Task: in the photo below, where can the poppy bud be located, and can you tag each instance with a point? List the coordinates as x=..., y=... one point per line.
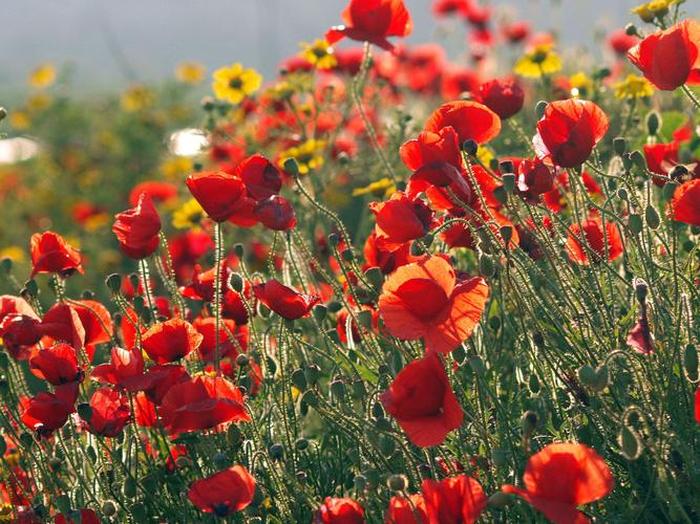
x=319, y=312
x=291, y=166
x=109, y=509
x=4, y=362
x=508, y=181
x=652, y=217
x=207, y=103
x=337, y=388
x=653, y=123
x=309, y=398
x=31, y=288
x=631, y=30
x=629, y=442
x=620, y=145
x=529, y=423
x=276, y=451
x=690, y=362
x=416, y=249
x=3, y=113
x=129, y=488
x=26, y=439
x=382, y=424
x=235, y=282
x=220, y=460
x=238, y=250
x=486, y=266
x=358, y=390
x=507, y=234
x=312, y=373
x=540, y=107
x=375, y=277
x=470, y=147
x=638, y=159
x=299, y=379
x=84, y=411
x=640, y=289
x=360, y=482
x=6, y=264
x=500, y=500
x=397, y=482
x=348, y=255
x=678, y=172
x=387, y=445
x=114, y=282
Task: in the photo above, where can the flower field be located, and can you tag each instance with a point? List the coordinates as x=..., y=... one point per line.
x=381, y=286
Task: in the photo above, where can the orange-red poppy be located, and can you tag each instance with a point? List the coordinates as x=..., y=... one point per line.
x=685, y=205
x=471, y=120
x=409, y=510
x=592, y=242
x=52, y=254
x=503, y=96
x=400, y=219
x=340, y=511
x=561, y=477
x=425, y=300
x=223, y=493
x=137, y=228
x=373, y=21
x=218, y=193
x=455, y=499
x=170, y=340
x=285, y=301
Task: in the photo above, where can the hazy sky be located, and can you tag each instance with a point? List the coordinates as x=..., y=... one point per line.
x=103, y=39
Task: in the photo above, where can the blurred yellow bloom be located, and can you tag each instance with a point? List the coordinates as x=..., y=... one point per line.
x=485, y=155
x=634, y=87
x=190, y=73
x=541, y=60
x=38, y=102
x=15, y=253
x=581, y=85
x=307, y=155
x=234, y=83
x=137, y=98
x=320, y=54
x=97, y=221
x=20, y=120
x=7, y=513
x=43, y=76
x=176, y=167
x=647, y=12
x=188, y=216
x=380, y=188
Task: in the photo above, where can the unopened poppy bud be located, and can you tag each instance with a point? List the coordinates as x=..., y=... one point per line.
x=529, y=422
x=134, y=279
x=493, y=164
x=627, y=161
x=6, y=264
x=631, y=30
x=238, y=250
x=540, y=107
x=386, y=445
x=114, y=282
x=109, y=508
x=678, y=172
x=507, y=234
x=375, y=277
x=291, y=166
x=348, y=255
x=506, y=166
x=319, y=312
x=641, y=289
x=652, y=217
x=360, y=482
x=602, y=73
x=220, y=460
x=486, y=266
x=377, y=410
x=31, y=287
x=333, y=240
x=416, y=249
x=638, y=159
x=470, y=147
x=235, y=282
x=207, y=103
x=310, y=398
x=620, y=145
x=26, y=439
x=629, y=443
x=690, y=362
x=301, y=444
x=397, y=482
x=500, y=500
x=3, y=113
x=84, y=411
x=508, y=181
x=299, y=379
x=312, y=373
x=276, y=451
x=653, y=123
x=129, y=488
x=337, y=388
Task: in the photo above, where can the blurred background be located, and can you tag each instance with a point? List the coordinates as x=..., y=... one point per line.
x=107, y=44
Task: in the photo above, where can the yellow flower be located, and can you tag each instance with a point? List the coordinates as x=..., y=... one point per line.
x=176, y=166
x=234, y=83
x=634, y=87
x=14, y=253
x=7, y=513
x=485, y=155
x=306, y=154
x=541, y=60
x=320, y=54
x=188, y=216
x=656, y=8
x=96, y=221
x=38, y=102
x=20, y=120
x=581, y=85
x=43, y=76
x=383, y=187
x=137, y=98
x=190, y=73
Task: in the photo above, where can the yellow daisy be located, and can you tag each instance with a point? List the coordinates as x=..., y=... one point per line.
x=634, y=87
x=581, y=85
x=43, y=76
x=320, y=54
x=14, y=253
x=19, y=120
x=656, y=8
x=234, y=83
x=380, y=188
x=190, y=73
x=541, y=60
x=137, y=98
x=188, y=216
x=307, y=155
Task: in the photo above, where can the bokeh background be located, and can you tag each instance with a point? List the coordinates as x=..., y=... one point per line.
x=107, y=44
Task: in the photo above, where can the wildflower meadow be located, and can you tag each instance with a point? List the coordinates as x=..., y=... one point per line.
x=382, y=286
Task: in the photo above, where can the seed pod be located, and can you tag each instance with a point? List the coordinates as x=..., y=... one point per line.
x=634, y=222
x=540, y=107
x=629, y=443
x=652, y=217
x=653, y=123
x=397, y=482
x=509, y=181
x=299, y=379
x=620, y=145
x=690, y=362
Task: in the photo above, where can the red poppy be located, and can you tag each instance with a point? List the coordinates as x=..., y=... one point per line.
x=425, y=300
x=340, y=511
x=456, y=81
x=202, y=288
x=400, y=219
x=685, y=205
x=285, y=301
x=158, y=191
x=10, y=304
x=471, y=120
x=432, y=149
x=661, y=159
x=124, y=366
x=561, y=477
x=456, y=499
x=373, y=21
x=158, y=381
x=276, y=213
x=63, y=323
x=19, y=332
x=170, y=340
x=223, y=493
x=137, y=229
x=51, y=254
x=504, y=97
x=603, y=242
x=516, y=32
x=669, y=58
x=232, y=340
x=422, y=401
x=145, y=414
x=407, y=510
x=535, y=178
x=86, y=516
x=218, y=193
x=200, y=403
x=569, y=130
x=47, y=412
x=620, y=42
x=57, y=364
x=450, y=7
x=387, y=261
x=640, y=338
x=109, y=412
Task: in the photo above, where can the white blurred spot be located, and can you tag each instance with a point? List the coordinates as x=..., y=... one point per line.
x=188, y=142
x=17, y=149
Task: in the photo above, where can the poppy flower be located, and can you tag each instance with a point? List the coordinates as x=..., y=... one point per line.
x=156, y=190
x=52, y=254
x=422, y=401
x=400, y=219
x=10, y=304
x=57, y=364
x=109, y=412
x=62, y=322
x=260, y=176
x=504, y=97
x=223, y=493
x=516, y=31
x=373, y=21
x=19, y=332
x=123, y=367
x=669, y=58
x=456, y=81
x=685, y=205
x=86, y=516
x=569, y=130
x=640, y=338
x=450, y=7
x=157, y=381
x=535, y=178
x=46, y=412
x=561, y=477
x=407, y=510
x=276, y=213
x=431, y=150
x=387, y=261
x=620, y=42
x=425, y=300
x=231, y=339
x=340, y=511
x=456, y=499
x=471, y=120
x=218, y=193
x=137, y=229
x=604, y=243
x=285, y=301
x=201, y=403
x=170, y=340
